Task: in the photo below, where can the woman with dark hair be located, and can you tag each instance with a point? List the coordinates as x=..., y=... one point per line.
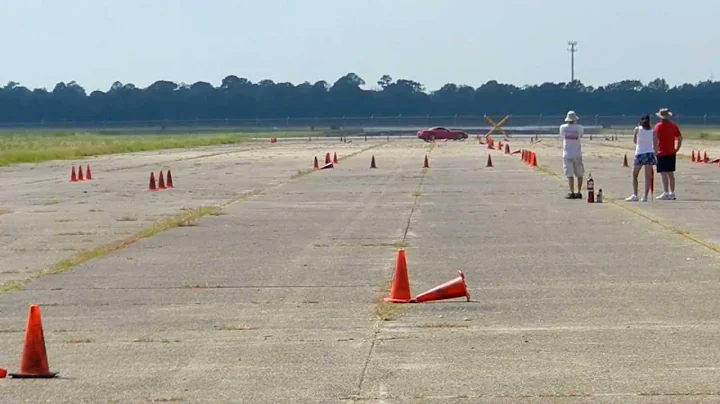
x=645, y=140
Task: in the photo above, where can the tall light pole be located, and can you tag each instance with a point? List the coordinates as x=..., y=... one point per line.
x=572, y=49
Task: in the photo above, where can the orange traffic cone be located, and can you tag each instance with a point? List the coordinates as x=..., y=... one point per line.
x=692, y=157
x=34, y=363
x=328, y=165
x=516, y=152
x=315, y=164
x=88, y=173
x=73, y=176
x=327, y=158
x=448, y=290
x=169, y=180
x=705, y=157
x=489, y=161
x=533, y=160
x=152, y=186
x=427, y=163
x=490, y=146
x=161, y=181
x=507, y=148
x=335, y=161
x=3, y=373
x=400, y=288
x=625, y=163
x=80, y=173
x=372, y=162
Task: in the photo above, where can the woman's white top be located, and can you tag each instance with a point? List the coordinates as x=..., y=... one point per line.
x=645, y=142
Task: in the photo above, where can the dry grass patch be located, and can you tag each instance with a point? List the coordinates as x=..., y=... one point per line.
x=127, y=219
x=154, y=341
x=159, y=227
x=81, y=341
x=233, y=327
x=385, y=311
x=444, y=325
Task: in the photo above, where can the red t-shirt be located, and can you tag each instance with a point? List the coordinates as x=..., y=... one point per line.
x=667, y=132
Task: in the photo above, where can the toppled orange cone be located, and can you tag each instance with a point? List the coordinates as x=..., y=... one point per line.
x=328, y=165
x=34, y=363
x=448, y=290
x=400, y=288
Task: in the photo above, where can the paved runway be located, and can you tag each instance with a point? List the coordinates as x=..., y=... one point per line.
x=277, y=298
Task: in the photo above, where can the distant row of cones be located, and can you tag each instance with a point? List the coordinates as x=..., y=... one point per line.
x=528, y=157
x=400, y=287
x=76, y=176
x=703, y=159
x=161, y=181
x=331, y=164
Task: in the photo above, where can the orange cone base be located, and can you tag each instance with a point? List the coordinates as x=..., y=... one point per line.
x=48, y=375
x=391, y=300
x=448, y=290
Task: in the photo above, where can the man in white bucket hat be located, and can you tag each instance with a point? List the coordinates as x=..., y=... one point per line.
x=571, y=132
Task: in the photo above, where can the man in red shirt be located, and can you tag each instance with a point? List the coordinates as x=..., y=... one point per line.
x=666, y=151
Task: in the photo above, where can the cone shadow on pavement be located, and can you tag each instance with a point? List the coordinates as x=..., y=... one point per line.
x=34, y=363
x=400, y=288
x=448, y=290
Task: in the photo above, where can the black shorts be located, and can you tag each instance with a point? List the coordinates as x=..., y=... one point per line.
x=666, y=164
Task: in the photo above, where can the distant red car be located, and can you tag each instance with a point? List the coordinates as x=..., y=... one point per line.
x=439, y=133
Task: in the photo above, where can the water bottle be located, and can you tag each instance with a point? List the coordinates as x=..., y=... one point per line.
x=590, y=189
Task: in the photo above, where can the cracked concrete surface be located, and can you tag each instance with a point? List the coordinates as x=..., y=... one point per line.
x=275, y=299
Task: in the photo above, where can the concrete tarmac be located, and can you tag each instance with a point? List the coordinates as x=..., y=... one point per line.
x=277, y=299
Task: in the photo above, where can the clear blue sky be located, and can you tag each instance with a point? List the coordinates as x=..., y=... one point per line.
x=96, y=42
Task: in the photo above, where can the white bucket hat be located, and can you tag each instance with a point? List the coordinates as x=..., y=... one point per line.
x=664, y=113
x=571, y=116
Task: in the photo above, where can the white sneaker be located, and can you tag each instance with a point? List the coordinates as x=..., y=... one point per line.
x=632, y=198
x=663, y=197
x=643, y=199
x=671, y=196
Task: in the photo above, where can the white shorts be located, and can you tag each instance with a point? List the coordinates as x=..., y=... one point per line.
x=573, y=167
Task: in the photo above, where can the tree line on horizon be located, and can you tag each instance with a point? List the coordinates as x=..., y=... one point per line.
x=239, y=98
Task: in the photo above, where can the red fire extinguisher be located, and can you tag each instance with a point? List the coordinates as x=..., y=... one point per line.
x=590, y=189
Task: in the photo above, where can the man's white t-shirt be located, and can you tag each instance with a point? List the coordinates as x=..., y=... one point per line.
x=571, y=134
